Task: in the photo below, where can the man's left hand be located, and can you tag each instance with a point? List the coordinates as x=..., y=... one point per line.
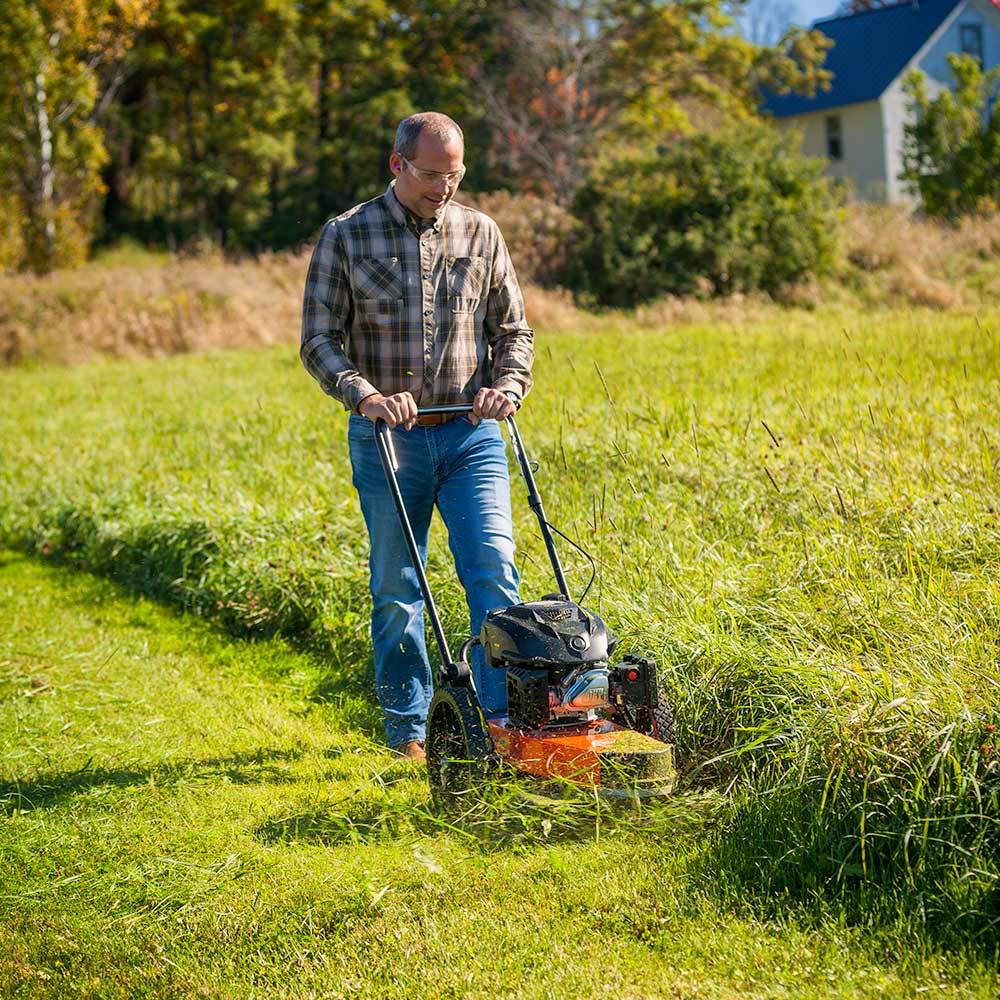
x=491, y=404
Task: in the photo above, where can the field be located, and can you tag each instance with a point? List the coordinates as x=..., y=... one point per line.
x=796, y=514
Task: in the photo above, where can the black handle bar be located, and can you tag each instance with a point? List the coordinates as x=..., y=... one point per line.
x=427, y=411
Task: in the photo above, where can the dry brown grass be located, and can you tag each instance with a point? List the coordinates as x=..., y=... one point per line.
x=148, y=309
x=910, y=283
x=921, y=261
x=138, y=303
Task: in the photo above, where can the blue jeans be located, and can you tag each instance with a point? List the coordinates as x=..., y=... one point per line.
x=462, y=469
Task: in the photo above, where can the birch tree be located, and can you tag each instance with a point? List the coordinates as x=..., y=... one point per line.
x=58, y=71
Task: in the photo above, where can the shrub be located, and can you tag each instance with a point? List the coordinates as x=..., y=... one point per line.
x=539, y=232
x=713, y=214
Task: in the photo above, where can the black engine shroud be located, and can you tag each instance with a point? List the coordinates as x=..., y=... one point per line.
x=552, y=634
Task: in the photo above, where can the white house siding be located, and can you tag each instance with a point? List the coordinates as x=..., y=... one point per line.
x=863, y=162
x=895, y=113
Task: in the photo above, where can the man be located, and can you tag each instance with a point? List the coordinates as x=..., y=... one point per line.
x=411, y=300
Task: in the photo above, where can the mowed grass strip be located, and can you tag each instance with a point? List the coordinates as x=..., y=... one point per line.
x=797, y=517
x=176, y=820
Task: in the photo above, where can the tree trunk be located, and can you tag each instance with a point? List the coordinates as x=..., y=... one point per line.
x=44, y=258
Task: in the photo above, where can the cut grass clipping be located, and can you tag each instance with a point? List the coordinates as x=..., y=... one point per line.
x=797, y=519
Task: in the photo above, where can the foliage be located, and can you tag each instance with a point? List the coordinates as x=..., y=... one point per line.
x=246, y=123
x=215, y=121
x=51, y=89
x=713, y=214
x=952, y=147
x=612, y=71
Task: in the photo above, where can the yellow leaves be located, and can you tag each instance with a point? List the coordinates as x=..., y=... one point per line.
x=137, y=13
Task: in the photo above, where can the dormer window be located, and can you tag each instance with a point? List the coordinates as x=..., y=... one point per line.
x=970, y=39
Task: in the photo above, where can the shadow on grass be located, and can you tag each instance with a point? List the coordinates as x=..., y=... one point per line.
x=784, y=851
x=154, y=566
x=257, y=767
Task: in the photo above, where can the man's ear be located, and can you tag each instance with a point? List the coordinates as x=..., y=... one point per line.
x=395, y=163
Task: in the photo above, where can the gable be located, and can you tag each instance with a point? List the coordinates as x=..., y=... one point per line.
x=869, y=51
x=976, y=13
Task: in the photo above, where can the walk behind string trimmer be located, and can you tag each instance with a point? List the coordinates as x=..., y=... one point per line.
x=572, y=715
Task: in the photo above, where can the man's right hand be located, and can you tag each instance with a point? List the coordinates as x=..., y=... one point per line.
x=400, y=408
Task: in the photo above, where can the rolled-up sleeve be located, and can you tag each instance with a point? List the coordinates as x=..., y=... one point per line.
x=327, y=310
x=510, y=338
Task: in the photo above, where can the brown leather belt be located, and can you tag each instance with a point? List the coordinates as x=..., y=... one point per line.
x=433, y=419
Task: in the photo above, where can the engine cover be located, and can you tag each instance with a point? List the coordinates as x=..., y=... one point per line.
x=550, y=633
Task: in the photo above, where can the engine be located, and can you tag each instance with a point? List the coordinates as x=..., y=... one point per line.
x=556, y=657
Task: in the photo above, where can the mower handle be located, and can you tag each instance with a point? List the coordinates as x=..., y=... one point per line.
x=427, y=411
x=387, y=455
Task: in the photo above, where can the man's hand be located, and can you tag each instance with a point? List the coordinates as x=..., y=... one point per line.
x=400, y=408
x=491, y=404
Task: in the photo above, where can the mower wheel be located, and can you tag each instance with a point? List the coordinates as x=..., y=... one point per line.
x=459, y=749
x=656, y=720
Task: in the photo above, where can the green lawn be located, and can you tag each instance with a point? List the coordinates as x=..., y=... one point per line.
x=798, y=518
x=177, y=820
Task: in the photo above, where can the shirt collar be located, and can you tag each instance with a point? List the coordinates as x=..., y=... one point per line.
x=402, y=215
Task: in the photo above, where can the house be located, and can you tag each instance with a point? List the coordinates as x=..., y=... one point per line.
x=857, y=125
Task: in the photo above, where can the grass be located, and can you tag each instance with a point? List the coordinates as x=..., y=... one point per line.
x=179, y=818
x=797, y=516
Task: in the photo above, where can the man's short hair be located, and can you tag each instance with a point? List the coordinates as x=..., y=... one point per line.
x=410, y=129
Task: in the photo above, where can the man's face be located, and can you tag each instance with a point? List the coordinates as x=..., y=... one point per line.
x=423, y=184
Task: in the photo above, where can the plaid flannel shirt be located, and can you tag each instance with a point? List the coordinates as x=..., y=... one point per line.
x=433, y=309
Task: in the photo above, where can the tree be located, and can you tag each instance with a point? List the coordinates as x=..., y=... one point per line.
x=375, y=63
x=576, y=74
x=733, y=211
x=214, y=119
x=59, y=72
x=951, y=148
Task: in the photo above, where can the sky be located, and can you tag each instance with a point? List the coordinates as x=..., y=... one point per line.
x=811, y=10
x=765, y=21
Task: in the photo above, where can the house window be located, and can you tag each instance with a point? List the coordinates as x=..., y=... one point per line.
x=971, y=41
x=834, y=141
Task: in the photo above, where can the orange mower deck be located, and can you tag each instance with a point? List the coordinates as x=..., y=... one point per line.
x=600, y=754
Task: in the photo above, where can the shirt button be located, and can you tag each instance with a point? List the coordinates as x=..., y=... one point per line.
x=428, y=312
x=427, y=275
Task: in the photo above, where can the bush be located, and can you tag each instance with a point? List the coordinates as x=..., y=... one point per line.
x=538, y=232
x=715, y=214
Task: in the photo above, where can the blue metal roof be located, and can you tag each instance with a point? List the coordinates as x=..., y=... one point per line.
x=869, y=51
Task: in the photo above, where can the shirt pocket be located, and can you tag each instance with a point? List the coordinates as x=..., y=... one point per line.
x=466, y=283
x=378, y=279
x=379, y=317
